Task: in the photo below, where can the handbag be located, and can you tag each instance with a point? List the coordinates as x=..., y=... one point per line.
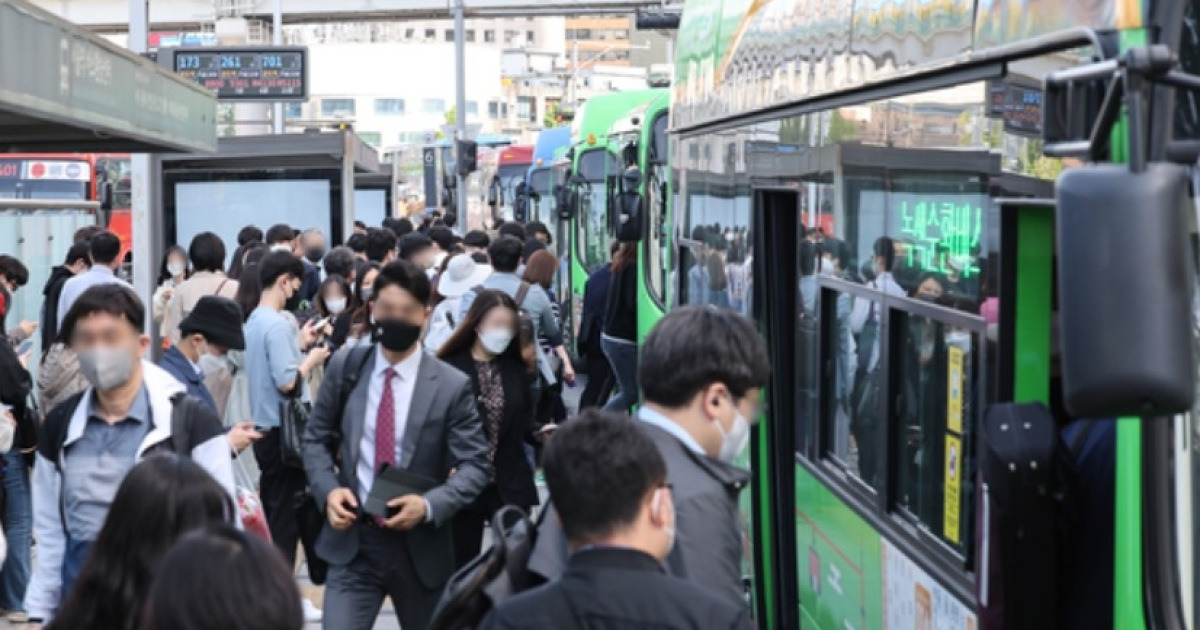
x=293, y=420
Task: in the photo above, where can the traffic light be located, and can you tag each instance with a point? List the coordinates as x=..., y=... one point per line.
x=468, y=156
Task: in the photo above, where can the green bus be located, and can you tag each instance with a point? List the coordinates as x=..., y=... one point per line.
x=874, y=183
x=642, y=136
x=590, y=160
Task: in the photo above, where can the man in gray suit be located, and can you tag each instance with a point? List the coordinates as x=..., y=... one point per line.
x=410, y=411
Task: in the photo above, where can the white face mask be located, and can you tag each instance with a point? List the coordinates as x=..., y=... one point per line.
x=496, y=340
x=734, y=442
x=281, y=248
x=176, y=269
x=336, y=306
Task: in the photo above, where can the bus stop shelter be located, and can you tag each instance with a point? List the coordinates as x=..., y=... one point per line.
x=63, y=89
x=302, y=180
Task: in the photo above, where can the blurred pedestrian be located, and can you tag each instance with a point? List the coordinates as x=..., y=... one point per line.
x=171, y=273
x=207, y=253
x=161, y=499
x=221, y=578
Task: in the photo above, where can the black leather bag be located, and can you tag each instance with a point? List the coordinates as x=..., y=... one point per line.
x=293, y=420
x=498, y=573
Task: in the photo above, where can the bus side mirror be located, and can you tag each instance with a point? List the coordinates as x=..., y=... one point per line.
x=1125, y=290
x=628, y=216
x=520, y=203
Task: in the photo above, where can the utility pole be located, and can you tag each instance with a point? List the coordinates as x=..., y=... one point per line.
x=277, y=39
x=142, y=188
x=460, y=107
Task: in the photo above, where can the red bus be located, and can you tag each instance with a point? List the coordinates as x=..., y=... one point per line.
x=101, y=177
x=512, y=165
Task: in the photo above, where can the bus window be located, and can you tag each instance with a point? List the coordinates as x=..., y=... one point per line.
x=714, y=254
x=934, y=461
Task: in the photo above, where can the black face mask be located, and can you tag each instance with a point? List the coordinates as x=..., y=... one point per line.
x=293, y=303
x=396, y=335
x=314, y=254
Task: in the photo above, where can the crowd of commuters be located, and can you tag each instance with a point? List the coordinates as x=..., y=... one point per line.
x=409, y=359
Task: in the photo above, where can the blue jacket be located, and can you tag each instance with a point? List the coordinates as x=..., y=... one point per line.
x=178, y=366
x=595, y=299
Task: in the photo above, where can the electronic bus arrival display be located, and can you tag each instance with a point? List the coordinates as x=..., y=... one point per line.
x=245, y=74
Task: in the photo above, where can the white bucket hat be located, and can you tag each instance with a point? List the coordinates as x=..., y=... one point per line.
x=462, y=275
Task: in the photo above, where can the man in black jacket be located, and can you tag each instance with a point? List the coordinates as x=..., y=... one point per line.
x=77, y=261
x=608, y=482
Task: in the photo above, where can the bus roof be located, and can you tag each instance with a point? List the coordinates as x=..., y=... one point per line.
x=641, y=115
x=551, y=143
x=734, y=56
x=599, y=112
x=521, y=154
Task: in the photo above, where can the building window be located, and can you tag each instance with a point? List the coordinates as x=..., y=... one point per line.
x=389, y=107
x=493, y=110
x=293, y=110
x=430, y=33
x=433, y=106
x=373, y=138
x=470, y=36
x=331, y=107
x=527, y=108
x=472, y=108
x=511, y=36
x=489, y=37
x=409, y=33
x=449, y=35
x=529, y=39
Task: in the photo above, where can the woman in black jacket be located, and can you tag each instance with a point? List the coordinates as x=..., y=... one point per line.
x=619, y=339
x=487, y=348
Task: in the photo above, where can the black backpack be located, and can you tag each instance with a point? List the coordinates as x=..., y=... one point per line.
x=184, y=409
x=1028, y=515
x=498, y=573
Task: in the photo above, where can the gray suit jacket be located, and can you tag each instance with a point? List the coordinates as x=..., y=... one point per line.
x=444, y=432
x=708, y=539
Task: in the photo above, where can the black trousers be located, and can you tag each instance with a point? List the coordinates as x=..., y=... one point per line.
x=279, y=486
x=383, y=568
x=600, y=378
x=468, y=524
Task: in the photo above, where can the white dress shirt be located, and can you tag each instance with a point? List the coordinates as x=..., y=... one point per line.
x=403, y=384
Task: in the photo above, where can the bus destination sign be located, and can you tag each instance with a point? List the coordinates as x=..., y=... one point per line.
x=271, y=73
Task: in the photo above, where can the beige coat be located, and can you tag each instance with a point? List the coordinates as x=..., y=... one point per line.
x=189, y=292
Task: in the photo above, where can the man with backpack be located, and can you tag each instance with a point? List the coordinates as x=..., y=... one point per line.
x=130, y=410
x=616, y=507
x=534, y=306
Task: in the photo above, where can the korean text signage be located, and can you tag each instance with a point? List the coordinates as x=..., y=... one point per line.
x=264, y=73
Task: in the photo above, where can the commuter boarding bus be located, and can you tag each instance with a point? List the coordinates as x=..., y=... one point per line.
x=932, y=209
x=584, y=221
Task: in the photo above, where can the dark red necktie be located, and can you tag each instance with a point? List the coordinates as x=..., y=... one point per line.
x=385, y=428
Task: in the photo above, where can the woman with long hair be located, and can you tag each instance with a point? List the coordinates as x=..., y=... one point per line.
x=619, y=336
x=718, y=282
x=353, y=326
x=171, y=273
x=162, y=498
x=487, y=348
x=222, y=578
x=539, y=271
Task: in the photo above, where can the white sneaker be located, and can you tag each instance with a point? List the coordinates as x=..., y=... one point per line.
x=312, y=614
